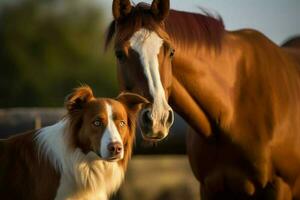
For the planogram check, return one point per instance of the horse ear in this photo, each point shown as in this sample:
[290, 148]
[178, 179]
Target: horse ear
[121, 8]
[78, 98]
[160, 9]
[131, 100]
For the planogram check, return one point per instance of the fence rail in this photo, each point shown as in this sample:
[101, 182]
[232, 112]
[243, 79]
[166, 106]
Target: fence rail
[18, 120]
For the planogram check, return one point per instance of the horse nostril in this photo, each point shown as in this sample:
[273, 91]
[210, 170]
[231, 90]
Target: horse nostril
[147, 119]
[170, 119]
[114, 147]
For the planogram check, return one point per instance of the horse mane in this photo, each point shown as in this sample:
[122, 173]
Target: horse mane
[184, 28]
[189, 29]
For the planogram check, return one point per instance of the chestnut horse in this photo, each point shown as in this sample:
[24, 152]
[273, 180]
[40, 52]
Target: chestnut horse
[238, 91]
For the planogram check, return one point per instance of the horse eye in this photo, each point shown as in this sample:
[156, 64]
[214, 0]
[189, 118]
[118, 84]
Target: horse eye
[120, 55]
[97, 123]
[172, 53]
[122, 123]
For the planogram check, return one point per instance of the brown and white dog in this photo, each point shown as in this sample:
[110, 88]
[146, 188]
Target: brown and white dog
[83, 156]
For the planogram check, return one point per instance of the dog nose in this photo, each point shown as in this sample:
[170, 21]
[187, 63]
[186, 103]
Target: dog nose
[114, 148]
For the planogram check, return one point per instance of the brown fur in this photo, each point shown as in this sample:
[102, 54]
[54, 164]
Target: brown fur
[22, 174]
[292, 42]
[206, 28]
[83, 108]
[292, 46]
[240, 93]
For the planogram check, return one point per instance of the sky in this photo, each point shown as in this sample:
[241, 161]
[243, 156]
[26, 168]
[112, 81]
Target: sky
[278, 19]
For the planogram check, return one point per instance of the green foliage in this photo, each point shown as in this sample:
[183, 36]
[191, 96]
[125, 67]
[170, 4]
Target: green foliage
[48, 48]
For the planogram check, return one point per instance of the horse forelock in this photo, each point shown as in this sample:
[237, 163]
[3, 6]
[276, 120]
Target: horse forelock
[181, 28]
[140, 17]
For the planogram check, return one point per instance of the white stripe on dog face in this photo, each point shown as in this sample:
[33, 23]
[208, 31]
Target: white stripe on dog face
[111, 134]
[148, 44]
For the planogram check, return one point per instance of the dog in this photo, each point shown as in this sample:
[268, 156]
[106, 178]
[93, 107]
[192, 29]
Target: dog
[83, 156]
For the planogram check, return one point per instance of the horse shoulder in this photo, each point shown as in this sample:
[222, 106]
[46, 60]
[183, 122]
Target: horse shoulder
[247, 47]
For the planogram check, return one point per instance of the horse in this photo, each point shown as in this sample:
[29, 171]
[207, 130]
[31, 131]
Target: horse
[238, 91]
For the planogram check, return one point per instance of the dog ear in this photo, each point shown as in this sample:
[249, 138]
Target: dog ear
[132, 101]
[121, 8]
[78, 98]
[160, 9]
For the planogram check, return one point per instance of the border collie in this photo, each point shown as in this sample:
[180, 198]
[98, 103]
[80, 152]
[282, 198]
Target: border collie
[83, 156]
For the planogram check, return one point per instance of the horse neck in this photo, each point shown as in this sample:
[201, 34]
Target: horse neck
[202, 92]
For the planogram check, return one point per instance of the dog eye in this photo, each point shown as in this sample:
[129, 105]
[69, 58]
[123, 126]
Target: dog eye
[122, 123]
[97, 123]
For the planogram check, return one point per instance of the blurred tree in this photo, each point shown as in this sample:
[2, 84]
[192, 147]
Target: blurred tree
[49, 47]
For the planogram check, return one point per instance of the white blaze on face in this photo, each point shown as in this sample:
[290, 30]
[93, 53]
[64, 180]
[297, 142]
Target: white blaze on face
[111, 134]
[148, 44]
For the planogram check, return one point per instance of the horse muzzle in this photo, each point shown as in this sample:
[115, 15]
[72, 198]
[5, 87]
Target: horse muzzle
[155, 125]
